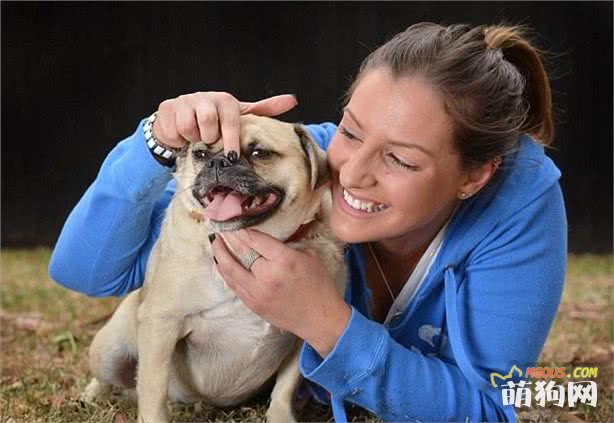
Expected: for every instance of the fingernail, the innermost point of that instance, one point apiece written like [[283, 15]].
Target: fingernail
[[232, 156], [295, 98], [214, 259], [211, 238]]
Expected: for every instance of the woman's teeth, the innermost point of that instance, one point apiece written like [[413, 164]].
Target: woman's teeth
[[357, 204]]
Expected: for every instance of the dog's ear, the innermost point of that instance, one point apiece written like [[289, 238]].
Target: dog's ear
[[316, 157]]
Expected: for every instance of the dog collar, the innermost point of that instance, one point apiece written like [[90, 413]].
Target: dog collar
[[301, 231]]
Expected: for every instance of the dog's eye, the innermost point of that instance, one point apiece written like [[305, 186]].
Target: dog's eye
[[199, 154], [259, 153]]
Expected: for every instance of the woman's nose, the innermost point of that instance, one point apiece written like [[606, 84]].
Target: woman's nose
[[356, 171]]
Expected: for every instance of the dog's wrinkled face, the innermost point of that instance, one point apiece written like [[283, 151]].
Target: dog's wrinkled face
[[272, 186]]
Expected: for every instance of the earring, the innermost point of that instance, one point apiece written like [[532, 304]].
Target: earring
[[463, 195]]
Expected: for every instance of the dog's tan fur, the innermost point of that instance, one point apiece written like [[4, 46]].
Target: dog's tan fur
[[194, 339]]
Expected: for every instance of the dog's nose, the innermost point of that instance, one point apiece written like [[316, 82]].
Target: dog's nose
[[219, 163]]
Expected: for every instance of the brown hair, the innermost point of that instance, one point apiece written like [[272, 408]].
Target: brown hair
[[492, 79]]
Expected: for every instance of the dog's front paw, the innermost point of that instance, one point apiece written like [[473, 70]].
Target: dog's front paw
[[95, 391], [155, 415], [280, 413], [142, 419]]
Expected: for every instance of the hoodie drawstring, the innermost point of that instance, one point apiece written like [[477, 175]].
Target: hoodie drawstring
[[339, 415], [454, 332]]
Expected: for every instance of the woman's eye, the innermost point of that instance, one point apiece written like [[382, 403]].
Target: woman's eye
[[259, 153], [200, 154], [347, 133], [400, 163]]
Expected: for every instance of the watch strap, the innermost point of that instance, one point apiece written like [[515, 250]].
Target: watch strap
[[164, 154]]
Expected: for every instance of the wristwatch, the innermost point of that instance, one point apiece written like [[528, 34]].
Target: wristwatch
[[162, 153]]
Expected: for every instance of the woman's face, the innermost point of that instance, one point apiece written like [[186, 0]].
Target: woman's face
[[393, 154]]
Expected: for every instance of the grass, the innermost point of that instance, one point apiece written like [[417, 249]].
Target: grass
[[46, 329]]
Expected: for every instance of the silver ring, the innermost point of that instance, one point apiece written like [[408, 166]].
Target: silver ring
[[249, 258]]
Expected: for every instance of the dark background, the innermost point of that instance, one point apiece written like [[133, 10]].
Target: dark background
[[77, 78]]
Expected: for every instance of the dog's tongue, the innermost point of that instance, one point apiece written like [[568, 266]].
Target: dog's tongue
[[225, 206]]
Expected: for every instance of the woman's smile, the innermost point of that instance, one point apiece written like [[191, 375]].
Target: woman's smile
[[356, 206]]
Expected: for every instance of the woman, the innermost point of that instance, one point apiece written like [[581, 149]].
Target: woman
[[452, 214]]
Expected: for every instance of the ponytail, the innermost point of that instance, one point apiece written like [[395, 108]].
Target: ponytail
[[518, 51]]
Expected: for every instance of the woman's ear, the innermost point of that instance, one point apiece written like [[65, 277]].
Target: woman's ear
[[477, 177]]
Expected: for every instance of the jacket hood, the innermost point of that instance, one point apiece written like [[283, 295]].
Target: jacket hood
[[525, 175]]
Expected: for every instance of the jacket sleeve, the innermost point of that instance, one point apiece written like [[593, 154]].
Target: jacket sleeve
[[507, 300], [103, 247]]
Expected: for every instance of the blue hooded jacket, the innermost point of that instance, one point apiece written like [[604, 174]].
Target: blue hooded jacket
[[490, 298], [487, 301]]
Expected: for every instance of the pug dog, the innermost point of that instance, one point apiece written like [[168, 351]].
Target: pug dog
[[185, 336]]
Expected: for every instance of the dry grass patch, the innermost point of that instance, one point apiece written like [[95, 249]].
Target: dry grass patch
[[46, 329], [582, 336]]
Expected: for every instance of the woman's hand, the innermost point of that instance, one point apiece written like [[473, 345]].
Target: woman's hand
[[289, 288], [207, 116]]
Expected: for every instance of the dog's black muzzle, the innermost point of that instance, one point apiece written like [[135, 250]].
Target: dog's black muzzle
[[229, 172]]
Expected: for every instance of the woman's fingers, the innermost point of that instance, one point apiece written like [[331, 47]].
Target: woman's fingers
[[240, 248], [269, 247], [229, 109], [209, 116], [185, 116], [234, 243], [235, 275], [229, 114], [207, 119], [165, 127], [271, 106]]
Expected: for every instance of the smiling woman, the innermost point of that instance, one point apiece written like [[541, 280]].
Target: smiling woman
[[395, 149], [451, 212]]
